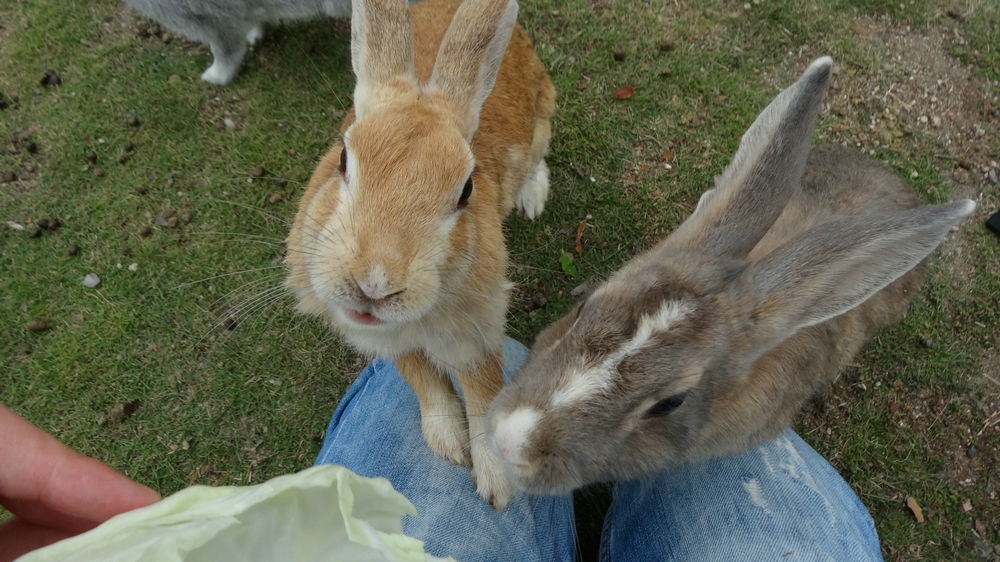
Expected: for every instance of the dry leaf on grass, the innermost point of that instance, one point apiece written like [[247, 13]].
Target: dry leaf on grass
[[911, 503], [579, 234], [623, 93]]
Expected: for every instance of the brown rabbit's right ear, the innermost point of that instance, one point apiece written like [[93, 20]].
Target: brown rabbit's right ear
[[754, 189], [381, 48], [470, 55], [839, 265]]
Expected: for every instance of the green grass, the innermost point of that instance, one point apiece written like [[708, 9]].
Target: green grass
[[232, 407]]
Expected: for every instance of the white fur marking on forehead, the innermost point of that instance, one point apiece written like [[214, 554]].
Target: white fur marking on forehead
[[512, 432], [586, 383]]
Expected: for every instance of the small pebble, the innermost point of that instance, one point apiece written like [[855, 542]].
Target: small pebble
[[993, 175], [9, 177], [927, 342], [38, 326], [258, 172], [34, 231], [133, 267], [31, 148], [167, 213], [276, 197], [73, 250], [971, 451], [129, 147], [91, 157], [185, 217], [141, 189], [666, 72], [229, 123], [619, 56], [280, 182], [132, 122], [126, 251], [166, 222], [166, 38], [145, 231], [91, 280], [99, 172]]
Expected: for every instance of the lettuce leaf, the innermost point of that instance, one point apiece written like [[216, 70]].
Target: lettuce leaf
[[323, 513]]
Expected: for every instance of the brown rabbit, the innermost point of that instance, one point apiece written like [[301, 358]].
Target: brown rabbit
[[710, 343], [398, 240]]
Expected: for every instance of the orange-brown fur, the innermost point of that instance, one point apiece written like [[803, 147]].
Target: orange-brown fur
[[411, 153]]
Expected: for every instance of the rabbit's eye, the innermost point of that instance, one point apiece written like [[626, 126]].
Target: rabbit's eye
[[463, 201], [667, 405], [343, 161]]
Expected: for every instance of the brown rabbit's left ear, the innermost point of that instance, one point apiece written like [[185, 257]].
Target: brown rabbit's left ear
[[754, 189], [840, 264], [470, 55], [381, 47]]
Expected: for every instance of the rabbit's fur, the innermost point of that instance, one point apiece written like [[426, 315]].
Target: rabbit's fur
[[710, 343], [228, 25], [398, 239]]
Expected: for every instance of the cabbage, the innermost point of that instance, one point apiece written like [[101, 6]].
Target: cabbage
[[323, 513]]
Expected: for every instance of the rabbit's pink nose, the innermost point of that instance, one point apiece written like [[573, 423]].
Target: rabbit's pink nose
[[512, 434], [375, 286]]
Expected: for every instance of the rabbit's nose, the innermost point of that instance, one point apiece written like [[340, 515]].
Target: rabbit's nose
[[374, 286], [512, 433]]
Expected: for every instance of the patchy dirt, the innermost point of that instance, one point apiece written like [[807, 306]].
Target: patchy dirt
[[918, 87]]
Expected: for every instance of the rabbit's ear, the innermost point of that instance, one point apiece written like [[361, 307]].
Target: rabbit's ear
[[838, 265], [470, 55], [381, 47], [754, 189]]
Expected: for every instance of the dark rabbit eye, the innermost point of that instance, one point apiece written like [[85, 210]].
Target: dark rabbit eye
[[463, 201], [667, 405], [343, 160]]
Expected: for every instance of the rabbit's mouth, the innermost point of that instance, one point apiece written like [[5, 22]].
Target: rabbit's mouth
[[366, 318]]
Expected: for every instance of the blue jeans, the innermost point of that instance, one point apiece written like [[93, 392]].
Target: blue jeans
[[780, 501]]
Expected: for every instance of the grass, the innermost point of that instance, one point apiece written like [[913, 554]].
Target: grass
[[235, 407]]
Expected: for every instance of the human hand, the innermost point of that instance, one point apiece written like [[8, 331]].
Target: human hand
[[53, 491]]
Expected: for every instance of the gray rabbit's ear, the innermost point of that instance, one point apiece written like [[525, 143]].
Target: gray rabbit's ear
[[381, 48], [753, 190], [838, 265], [470, 54]]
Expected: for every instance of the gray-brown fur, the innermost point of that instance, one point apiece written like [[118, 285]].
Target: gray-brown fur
[[767, 323]]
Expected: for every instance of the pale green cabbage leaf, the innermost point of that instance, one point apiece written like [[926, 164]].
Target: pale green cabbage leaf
[[324, 513]]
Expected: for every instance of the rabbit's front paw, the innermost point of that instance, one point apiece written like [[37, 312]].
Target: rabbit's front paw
[[255, 34], [530, 200], [445, 433], [489, 478], [219, 74]]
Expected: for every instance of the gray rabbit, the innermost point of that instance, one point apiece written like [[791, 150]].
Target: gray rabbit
[[710, 343], [228, 25]]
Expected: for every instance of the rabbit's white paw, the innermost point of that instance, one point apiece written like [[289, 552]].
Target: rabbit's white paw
[[489, 477], [255, 34], [219, 74], [531, 198], [444, 431]]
